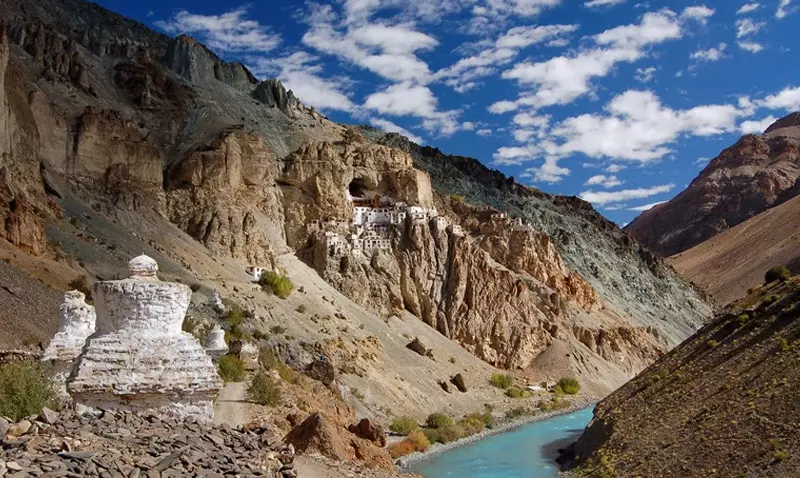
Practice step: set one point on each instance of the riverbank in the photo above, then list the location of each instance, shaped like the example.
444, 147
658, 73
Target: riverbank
503, 427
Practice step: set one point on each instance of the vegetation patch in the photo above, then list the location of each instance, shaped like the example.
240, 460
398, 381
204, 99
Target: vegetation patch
516, 392
568, 386
777, 273
231, 368
81, 284
24, 389
278, 284
502, 380
516, 413
264, 390
438, 420
404, 425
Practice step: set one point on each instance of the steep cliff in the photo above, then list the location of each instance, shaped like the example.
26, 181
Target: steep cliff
756, 173
723, 403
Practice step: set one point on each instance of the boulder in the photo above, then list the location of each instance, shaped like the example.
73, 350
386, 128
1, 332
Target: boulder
48, 416
18, 429
322, 370
419, 347
458, 381
3, 427
369, 431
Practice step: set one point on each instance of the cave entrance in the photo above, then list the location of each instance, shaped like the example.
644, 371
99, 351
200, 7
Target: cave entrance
357, 189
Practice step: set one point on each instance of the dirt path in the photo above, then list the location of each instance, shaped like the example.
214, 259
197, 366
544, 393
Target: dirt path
231, 406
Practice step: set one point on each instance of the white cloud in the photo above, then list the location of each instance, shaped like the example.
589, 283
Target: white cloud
614, 168
549, 172
700, 13
750, 46
702, 161
484, 132
602, 3
403, 99
604, 181
783, 9
300, 73
390, 127
228, 32
562, 79
757, 126
710, 55
748, 8
644, 75
746, 27
787, 99
646, 207
606, 197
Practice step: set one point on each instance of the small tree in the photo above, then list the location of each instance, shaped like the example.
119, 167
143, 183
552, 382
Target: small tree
569, 386
264, 390
404, 425
438, 420
24, 389
280, 285
777, 273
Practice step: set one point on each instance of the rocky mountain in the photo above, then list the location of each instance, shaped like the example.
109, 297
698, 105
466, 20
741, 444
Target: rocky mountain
723, 403
756, 173
117, 141
734, 261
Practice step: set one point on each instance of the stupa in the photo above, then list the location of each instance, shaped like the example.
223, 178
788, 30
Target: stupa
139, 358
77, 323
215, 342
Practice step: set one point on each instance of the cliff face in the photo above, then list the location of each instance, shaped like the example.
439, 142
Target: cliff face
722, 403
162, 136
756, 173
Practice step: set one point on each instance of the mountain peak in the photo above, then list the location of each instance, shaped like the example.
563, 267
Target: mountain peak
789, 121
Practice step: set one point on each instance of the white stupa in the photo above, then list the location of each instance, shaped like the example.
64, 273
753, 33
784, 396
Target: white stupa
139, 358
215, 342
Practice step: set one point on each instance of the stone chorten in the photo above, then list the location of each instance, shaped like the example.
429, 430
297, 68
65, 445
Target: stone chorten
77, 323
139, 358
215, 342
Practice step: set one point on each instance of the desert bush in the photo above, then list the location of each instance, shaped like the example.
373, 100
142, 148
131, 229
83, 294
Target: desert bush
403, 448
712, 343
560, 404
516, 392
777, 273
280, 285
277, 329
81, 284
231, 368
516, 412
301, 308
456, 197
568, 386
486, 417
450, 433
502, 380
438, 420
268, 359
264, 390
288, 374
260, 335
404, 425
471, 425
432, 434
24, 389
195, 286
419, 440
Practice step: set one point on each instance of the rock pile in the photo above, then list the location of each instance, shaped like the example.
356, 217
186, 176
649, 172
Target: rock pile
139, 358
126, 444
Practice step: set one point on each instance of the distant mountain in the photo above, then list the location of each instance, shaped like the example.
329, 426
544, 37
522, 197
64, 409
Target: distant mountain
723, 403
730, 263
758, 172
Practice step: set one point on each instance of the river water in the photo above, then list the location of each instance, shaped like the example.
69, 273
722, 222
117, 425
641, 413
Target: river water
526, 452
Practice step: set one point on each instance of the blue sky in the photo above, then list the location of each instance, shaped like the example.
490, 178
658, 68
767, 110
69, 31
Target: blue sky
621, 102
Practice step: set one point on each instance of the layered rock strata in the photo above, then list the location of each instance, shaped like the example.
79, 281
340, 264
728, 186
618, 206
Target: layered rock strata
140, 359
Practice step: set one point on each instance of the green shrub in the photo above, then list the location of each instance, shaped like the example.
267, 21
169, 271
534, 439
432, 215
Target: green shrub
432, 434
280, 285
403, 425
456, 197
452, 360
471, 425
277, 330
712, 343
516, 392
24, 389
743, 318
568, 386
288, 374
81, 284
777, 273
781, 455
450, 433
259, 335
268, 359
231, 368
301, 308
438, 420
419, 440
502, 380
516, 412
264, 390
770, 299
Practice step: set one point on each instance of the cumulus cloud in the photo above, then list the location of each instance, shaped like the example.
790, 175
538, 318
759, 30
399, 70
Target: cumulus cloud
390, 127
228, 32
746, 27
750, 46
644, 75
783, 9
700, 13
787, 99
607, 197
604, 181
614, 168
748, 8
548, 172
757, 126
645, 207
710, 55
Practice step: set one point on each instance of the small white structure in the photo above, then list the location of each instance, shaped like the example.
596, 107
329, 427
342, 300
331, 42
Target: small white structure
216, 302
139, 358
255, 272
215, 342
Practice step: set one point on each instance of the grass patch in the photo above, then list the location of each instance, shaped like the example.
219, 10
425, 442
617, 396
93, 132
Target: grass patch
231, 368
24, 389
278, 284
264, 390
502, 380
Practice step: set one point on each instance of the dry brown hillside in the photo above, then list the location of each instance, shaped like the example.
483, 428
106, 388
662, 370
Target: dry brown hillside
724, 403
729, 264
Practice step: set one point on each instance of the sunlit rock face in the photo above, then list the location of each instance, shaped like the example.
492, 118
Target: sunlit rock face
77, 323
140, 359
215, 342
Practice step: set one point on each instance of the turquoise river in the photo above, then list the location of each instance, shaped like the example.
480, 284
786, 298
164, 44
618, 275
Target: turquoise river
525, 452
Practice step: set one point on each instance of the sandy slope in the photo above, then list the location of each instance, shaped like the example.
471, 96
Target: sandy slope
732, 262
